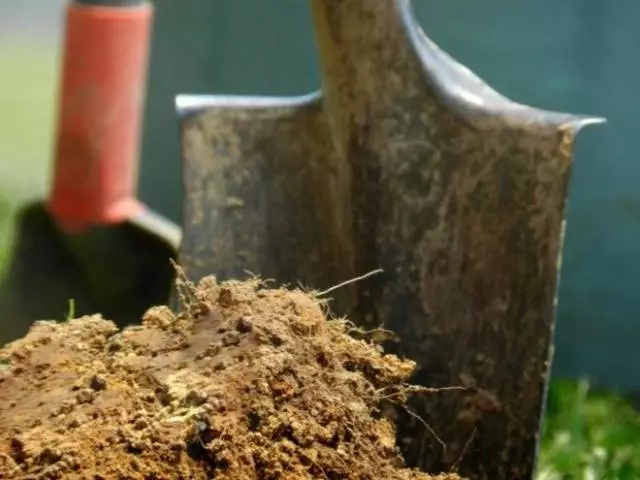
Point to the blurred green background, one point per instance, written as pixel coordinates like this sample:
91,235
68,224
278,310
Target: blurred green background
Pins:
587,435
28,76
29,37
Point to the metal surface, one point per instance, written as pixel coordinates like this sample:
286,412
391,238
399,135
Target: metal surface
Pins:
584,60
408,162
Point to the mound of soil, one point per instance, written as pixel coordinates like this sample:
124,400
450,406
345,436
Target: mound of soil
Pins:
244,383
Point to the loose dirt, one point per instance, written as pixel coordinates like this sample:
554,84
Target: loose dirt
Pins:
245,382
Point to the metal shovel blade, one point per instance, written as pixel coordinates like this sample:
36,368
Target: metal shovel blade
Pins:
408,162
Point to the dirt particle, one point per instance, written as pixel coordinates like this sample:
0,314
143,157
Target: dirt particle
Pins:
115,345
135,465
161,317
73,423
140,424
226,298
244,324
98,383
195,398
49,455
85,395
231,339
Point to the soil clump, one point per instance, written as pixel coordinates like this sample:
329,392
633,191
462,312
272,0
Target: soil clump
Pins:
245,382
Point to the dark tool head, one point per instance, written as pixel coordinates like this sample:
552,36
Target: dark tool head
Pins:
118,271
409,162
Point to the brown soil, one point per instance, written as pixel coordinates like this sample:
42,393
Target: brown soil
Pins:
245,383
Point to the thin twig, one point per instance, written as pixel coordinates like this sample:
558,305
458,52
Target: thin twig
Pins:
250,273
258,278
349,282
456,464
315,464
370,332
428,427
417,389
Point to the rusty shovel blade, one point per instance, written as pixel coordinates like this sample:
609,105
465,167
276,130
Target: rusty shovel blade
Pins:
408,162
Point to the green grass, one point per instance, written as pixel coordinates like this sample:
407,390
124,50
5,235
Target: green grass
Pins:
28,82
587,435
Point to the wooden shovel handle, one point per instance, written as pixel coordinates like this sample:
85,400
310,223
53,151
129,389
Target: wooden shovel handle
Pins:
100,109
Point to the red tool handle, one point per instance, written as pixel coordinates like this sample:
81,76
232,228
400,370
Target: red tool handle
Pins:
100,110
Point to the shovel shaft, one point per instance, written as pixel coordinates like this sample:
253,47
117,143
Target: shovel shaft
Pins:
99,113
345,33
111,3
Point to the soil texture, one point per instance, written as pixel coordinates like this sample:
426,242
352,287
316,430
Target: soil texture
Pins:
244,382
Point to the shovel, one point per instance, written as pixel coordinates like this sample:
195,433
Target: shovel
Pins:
92,242
408,162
